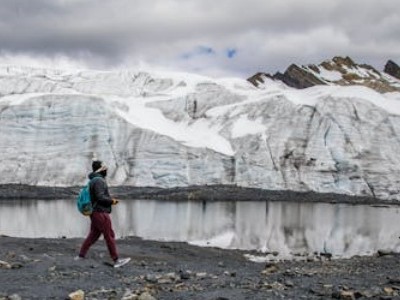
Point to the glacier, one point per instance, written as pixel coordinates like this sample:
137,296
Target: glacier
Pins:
169,129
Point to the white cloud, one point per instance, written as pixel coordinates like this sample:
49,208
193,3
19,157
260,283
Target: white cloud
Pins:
56,62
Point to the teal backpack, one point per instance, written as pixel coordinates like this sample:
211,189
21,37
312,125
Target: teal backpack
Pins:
83,201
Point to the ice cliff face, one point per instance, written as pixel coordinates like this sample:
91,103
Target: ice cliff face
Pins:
172,129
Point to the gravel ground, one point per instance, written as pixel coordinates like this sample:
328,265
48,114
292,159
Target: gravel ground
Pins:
46,269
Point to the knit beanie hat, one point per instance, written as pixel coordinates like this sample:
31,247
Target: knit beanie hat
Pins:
98,166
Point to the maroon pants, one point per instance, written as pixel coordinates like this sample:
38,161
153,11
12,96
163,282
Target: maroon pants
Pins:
100,224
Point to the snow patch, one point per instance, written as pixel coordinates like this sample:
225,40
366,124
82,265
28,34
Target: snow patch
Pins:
329,75
198,134
224,240
243,126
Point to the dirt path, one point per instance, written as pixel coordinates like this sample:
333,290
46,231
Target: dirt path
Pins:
45,269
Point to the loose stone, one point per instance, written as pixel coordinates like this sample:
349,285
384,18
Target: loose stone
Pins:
77,295
146,296
4,265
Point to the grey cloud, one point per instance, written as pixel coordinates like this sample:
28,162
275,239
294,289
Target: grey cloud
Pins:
268,35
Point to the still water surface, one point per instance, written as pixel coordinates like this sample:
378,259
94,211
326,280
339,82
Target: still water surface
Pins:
286,227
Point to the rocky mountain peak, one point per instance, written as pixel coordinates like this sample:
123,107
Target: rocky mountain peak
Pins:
392,69
338,63
344,61
338,71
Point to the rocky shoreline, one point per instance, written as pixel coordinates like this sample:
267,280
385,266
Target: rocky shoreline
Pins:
192,193
45,269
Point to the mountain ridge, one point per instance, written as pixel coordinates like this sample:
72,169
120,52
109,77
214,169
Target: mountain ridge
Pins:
337,71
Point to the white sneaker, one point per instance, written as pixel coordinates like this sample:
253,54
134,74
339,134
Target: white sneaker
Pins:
122,261
77,258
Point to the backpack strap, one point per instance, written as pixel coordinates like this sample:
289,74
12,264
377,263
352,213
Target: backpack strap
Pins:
91,181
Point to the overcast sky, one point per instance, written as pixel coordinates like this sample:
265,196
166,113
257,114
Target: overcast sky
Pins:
211,37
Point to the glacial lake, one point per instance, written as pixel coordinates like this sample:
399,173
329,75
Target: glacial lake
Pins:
286,227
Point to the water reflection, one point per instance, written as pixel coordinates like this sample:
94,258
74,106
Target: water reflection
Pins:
288,228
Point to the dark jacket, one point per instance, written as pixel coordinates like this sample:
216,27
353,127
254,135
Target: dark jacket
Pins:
99,194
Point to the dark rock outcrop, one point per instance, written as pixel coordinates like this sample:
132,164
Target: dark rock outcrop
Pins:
298,78
294,76
258,78
392,69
